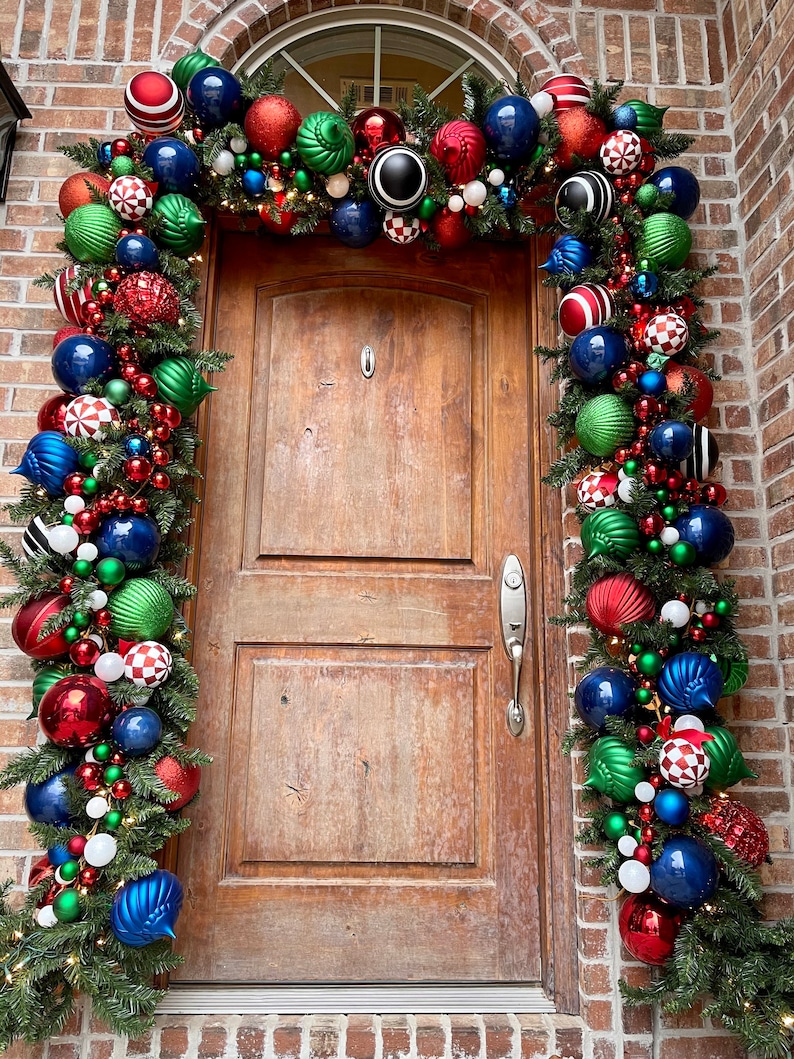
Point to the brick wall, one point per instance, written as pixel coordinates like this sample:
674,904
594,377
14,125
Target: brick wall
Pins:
725,73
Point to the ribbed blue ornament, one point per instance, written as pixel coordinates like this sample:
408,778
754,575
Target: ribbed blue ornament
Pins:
47,461
568,255
690,681
145,910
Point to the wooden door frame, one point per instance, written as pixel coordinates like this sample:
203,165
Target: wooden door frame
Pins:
558,925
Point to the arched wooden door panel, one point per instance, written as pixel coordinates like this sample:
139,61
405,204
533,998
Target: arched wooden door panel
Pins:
368,816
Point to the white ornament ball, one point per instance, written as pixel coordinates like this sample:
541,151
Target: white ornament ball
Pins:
627,844
45,917
109,667
73,504
88,551
337,185
634,876
223,163
63,539
701,608
627,489
97,807
496,178
676,612
238,144
669,536
644,791
475,193
89,756
542,103
689,722
456,203
274,184
98,599
100,850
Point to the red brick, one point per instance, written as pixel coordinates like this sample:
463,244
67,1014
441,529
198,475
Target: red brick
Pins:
396,1036
360,1038
324,1037
173,1042
212,1044
535,1043
287,1038
430,1037
466,1036
499,1037
250,1042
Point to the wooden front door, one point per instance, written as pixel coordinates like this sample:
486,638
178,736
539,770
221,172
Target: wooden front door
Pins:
368,816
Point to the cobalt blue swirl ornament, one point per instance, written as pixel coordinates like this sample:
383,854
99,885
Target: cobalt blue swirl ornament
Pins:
79,358
47,461
133,539
137,730
596,353
671,439
568,255
625,117
684,187
689,682
48,802
709,530
644,285
146,910
215,96
604,692
137,253
175,166
511,128
671,806
686,872
652,383
354,223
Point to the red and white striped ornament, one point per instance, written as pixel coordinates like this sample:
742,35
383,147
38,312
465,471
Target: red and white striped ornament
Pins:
148,664
86,416
154,103
130,197
682,760
597,490
70,305
586,305
665,334
621,152
568,91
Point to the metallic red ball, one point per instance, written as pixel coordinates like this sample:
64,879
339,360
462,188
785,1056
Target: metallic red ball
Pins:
622,378
76,845
145,385
698,635
86,521
622,454
157,410
674,480
160,480
655,473
172,416
73,483
117,758
104,505
656,781
710,620
646,407
129,371
121,789
76,711
66,584
646,813
646,734
84,653
90,777
648,834
160,457
137,469
103,618
714,493
692,487
88,876
162,432
51,413
651,525
119,147
644,854
140,505
113,274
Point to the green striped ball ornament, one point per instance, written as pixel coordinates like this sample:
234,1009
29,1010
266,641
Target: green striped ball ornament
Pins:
735,672
604,423
665,239
180,226
612,533
91,233
649,117
325,142
140,610
727,761
45,678
190,64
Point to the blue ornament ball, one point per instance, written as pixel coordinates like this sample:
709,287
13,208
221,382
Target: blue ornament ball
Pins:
134,539
79,358
652,383
137,253
136,445
145,910
47,461
671,439
511,128
689,682
709,530
253,182
686,872
48,802
568,255
683,185
354,223
215,96
175,166
604,692
58,855
507,196
103,153
644,285
671,806
625,117
137,730
596,353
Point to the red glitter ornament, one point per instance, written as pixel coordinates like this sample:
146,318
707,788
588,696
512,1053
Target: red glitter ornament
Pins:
582,134
449,229
271,125
76,711
31,619
147,298
76,191
648,927
184,780
739,828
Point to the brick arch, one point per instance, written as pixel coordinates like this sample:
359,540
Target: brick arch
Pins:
533,41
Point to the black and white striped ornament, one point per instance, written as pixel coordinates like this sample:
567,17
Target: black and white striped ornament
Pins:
588,190
397,178
704,457
35,539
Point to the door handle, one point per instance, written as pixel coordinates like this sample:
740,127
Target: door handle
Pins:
513,613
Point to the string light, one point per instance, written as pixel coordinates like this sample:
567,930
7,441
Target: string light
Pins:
787,1021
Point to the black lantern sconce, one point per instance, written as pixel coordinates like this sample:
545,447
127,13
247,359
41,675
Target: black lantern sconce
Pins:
12,110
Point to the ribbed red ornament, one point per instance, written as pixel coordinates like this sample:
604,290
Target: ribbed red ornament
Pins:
147,298
460,147
184,780
449,230
739,828
31,619
582,134
617,600
271,125
76,192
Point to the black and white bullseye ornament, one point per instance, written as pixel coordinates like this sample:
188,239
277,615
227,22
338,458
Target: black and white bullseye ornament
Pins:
665,334
621,152
585,305
704,456
36,540
86,416
399,229
588,190
397,178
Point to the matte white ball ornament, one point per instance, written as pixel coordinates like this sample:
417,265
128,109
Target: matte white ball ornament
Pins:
337,185
627,844
238,144
634,876
73,504
475,193
542,103
98,599
456,203
45,917
109,667
496,178
669,536
223,163
63,539
87,551
100,850
676,612
97,807
688,722
644,791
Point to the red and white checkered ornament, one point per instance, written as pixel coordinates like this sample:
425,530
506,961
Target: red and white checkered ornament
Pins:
665,334
130,197
597,490
399,229
148,664
85,416
683,761
621,152
568,91
586,305
154,103
70,304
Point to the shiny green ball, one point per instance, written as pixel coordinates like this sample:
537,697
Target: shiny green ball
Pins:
636,648
82,568
631,467
302,180
89,460
99,286
102,751
649,663
71,634
669,512
674,639
113,819
117,391
616,825
285,158
112,773
110,571
67,519
654,546
241,161
638,834
254,160
81,620
662,494
90,486
69,870
66,906
427,207
723,608
644,696
682,553
646,264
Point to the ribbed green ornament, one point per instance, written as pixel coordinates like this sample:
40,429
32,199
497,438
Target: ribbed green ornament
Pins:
180,384
735,672
91,233
140,610
610,769
609,532
45,678
190,64
727,763
180,226
604,423
666,238
649,118
325,143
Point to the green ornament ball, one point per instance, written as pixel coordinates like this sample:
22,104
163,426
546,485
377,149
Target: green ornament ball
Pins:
241,161
667,238
81,620
91,233
611,770
45,678
644,696
82,568
110,571
71,634
325,143
67,519
649,117
646,196
654,546
302,180
636,648
669,512
285,158
674,639
89,460
140,610
113,819
117,391
180,384
723,608
102,751
735,672
662,494
189,65
649,663
727,762
682,553
99,286
647,264
180,226
69,870
631,467
616,825
427,208
113,773
611,533
90,486
122,165
604,423
66,906
255,160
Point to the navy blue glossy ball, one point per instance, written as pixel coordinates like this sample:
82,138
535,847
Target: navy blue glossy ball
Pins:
137,730
511,128
604,692
79,358
354,223
137,252
671,440
679,182
596,353
625,117
709,530
136,445
215,95
644,285
686,873
48,802
174,165
653,383
134,539
671,806
253,182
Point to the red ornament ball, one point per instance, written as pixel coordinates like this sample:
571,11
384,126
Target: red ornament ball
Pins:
282,224
648,927
644,854
582,134
646,734
137,469
714,493
86,521
75,191
449,229
90,776
145,385
121,789
147,298
76,845
460,147
682,377
739,828
76,711
40,871
88,876
376,127
52,412
617,600
153,103
271,125
568,91
84,653
30,620
184,780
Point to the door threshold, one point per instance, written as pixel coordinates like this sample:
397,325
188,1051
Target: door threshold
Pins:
463,998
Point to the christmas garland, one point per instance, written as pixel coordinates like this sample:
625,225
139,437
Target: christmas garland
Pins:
109,496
